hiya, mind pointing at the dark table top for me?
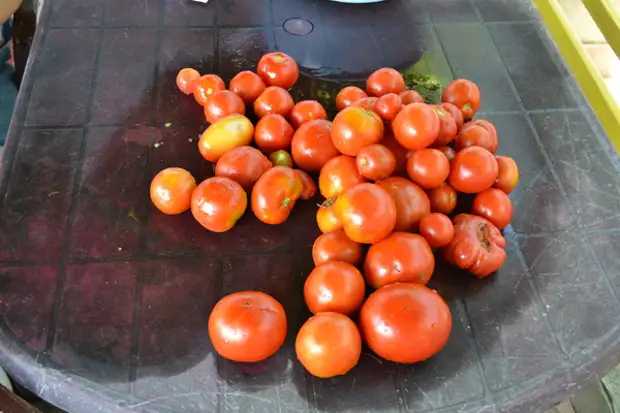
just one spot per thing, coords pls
(104, 301)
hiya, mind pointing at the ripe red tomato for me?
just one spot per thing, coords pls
(437, 229)
(171, 190)
(416, 126)
(375, 162)
(385, 80)
(327, 218)
(428, 168)
(401, 257)
(278, 69)
(247, 326)
(312, 145)
(348, 95)
(401, 154)
(388, 106)
(464, 94)
(305, 111)
(273, 100)
(447, 127)
(410, 96)
(355, 128)
(336, 246)
(405, 323)
(335, 286)
(476, 134)
(186, 80)
(473, 170)
(456, 114)
(275, 193)
(206, 86)
(273, 133)
(443, 198)
(448, 151)
(309, 187)
(367, 103)
(328, 345)
(411, 201)
(338, 175)
(281, 158)
(244, 165)
(494, 205)
(222, 104)
(508, 174)
(248, 85)
(218, 203)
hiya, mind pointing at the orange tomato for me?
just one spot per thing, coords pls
(278, 69)
(416, 126)
(206, 86)
(336, 246)
(222, 104)
(355, 128)
(385, 80)
(218, 203)
(312, 145)
(334, 286)
(327, 218)
(224, 135)
(494, 205)
(338, 175)
(273, 100)
(273, 133)
(305, 111)
(186, 80)
(171, 190)
(243, 164)
(348, 95)
(275, 193)
(248, 85)
(508, 174)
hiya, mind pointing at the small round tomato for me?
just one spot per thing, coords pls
(312, 145)
(473, 134)
(171, 190)
(221, 104)
(385, 80)
(355, 128)
(464, 94)
(278, 69)
(388, 106)
(247, 326)
(273, 100)
(186, 80)
(375, 162)
(428, 168)
(447, 127)
(494, 205)
(206, 86)
(327, 218)
(336, 246)
(224, 135)
(508, 174)
(273, 133)
(281, 158)
(410, 96)
(338, 175)
(243, 164)
(456, 114)
(367, 103)
(218, 203)
(416, 126)
(401, 154)
(248, 85)
(437, 229)
(275, 193)
(309, 187)
(334, 286)
(443, 198)
(405, 323)
(328, 345)
(367, 212)
(473, 170)
(305, 111)
(448, 151)
(411, 201)
(348, 95)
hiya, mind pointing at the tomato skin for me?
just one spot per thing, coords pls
(473, 170)
(248, 85)
(186, 80)
(221, 104)
(338, 175)
(411, 201)
(367, 103)
(273, 133)
(275, 193)
(336, 246)
(224, 135)
(348, 95)
(448, 151)
(274, 100)
(388, 106)
(456, 114)
(464, 94)
(508, 174)
(334, 287)
(416, 126)
(305, 111)
(312, 145)
(375, 162)
(437, 229)
(309, 187)
(244, 165)
(354, 128)
(401, 154)
(494, 205)
(443, 199)
(410, 96)
(428, 168)
(257, 322)
(206, 86)
(328, 345)
(218, 203)
(405, 323)
(385, 80)
(447, 127)
(474, 134)
(281, 158)
(171, 190)
(327, 218)
(278, 69)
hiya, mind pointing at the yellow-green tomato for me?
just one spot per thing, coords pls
(281, 158)
(225, 134)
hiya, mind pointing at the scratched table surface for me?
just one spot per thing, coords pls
(104, 301)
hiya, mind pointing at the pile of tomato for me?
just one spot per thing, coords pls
(392, 170)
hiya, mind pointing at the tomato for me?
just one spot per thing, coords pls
(244, 165)
(473, 170)
(447, 127)
(385, 80)
(328, 345)
(248, 85)
(247, 326)
(367, 103)
(367, 212)
(309, 187)
(443, 198)
(448, 151)
(224, 135)
(273, 133)
(305, 111)
(278, 69)
(405, 323)
(477, 246)
(222, 104)
(416, 126)
(273, 100)
(334, 286)
(388, 106)
(401, 154)
(206, 86)
(428, 168)
(186, 80)
(475, 134)
(494, 205)
(456, 114)
(410, 96)
(312, 145)
(218, 203)
(327, 218)
(275, 193)
(375, 162)
(281, 158)
(508, 174)
(171, 190)
(355, 128)
(338, 175)
(336, 246)
(348, 95)
(437, 229)
(411, 201)
(464, 94)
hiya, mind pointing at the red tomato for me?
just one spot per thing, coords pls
(281, 158)
(218, 203)
(273, 133)
(366, 103)
(416, 126)
(244, 165)
(508, 174)
(388, 106)
(355, 128)
(456, 114)
(278, 69)
(348, 95)
(401, 154)
(305, 111)
(247, 326)
(464, 94)
(375, 162)
(222, 104)
(309, 187)
(448, 151)
(275, 193)
(405, 323)
(437, 229)
(410, 96)
(328, 345)
(338, 175)
(327, 218)
(411, 201)
(443, 198)
(428, 168)
(206, 86)
(385, 80)
(335, 286)
(475, 134)
(273, 100)
(401, 257)
(171, 190)
(495, 206)
(248, 85)
(447, 127)
(186, 80)
(336, 246)
(473, 170)
(312, 145)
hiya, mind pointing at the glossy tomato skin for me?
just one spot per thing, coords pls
(312, 145)
(401, 257)
(334, 287)
(275, 193)
(437, 229)
(336, 246)
(221, 104)
(354, 128)
(375, 162)
(247, 326)
(473, 134)
(405, 323)
(224, 135)
(218, 203)
(171, 190)
(473, 170)
(416, 126)
(367, 103)
(410, 96)
(443, 199)
(388, 106)
(186, 80)
(278, 69)
(309, 187)
(306, 111)
(248, 85)
(401, 154)
(494, 205)
(274, 100)
(411, 202)
(328, 345)
(338, 175)
(273, 133)
(447, 126)
(448, 151)
(206, 86)
(327, 218)
(385, 80)
(348, 95)
(281, 158)
(508, 174)
(464, 94)
(456, 114)
(244, 165)
(428, 168)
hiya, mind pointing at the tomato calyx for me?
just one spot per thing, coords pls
(328, 202)
(286, 202)
(246, 304)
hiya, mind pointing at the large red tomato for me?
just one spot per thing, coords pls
(336, 246)
(278, 69)
(416, 126)
(428, 168)
(243, 164)
(348, 95)
(375, 162)
(411, 201)
(385, 80)
(355, 128)
(305, 111)
(508, 174)
(218, 203)
(473, 170)
(274, 100)
(222, 104)
(464, 94)
(273, 133)
(338, 175)
(495, 206)
(334, 286)
(312, 145)
(248, 85)
(275, 193)
(171, 190)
